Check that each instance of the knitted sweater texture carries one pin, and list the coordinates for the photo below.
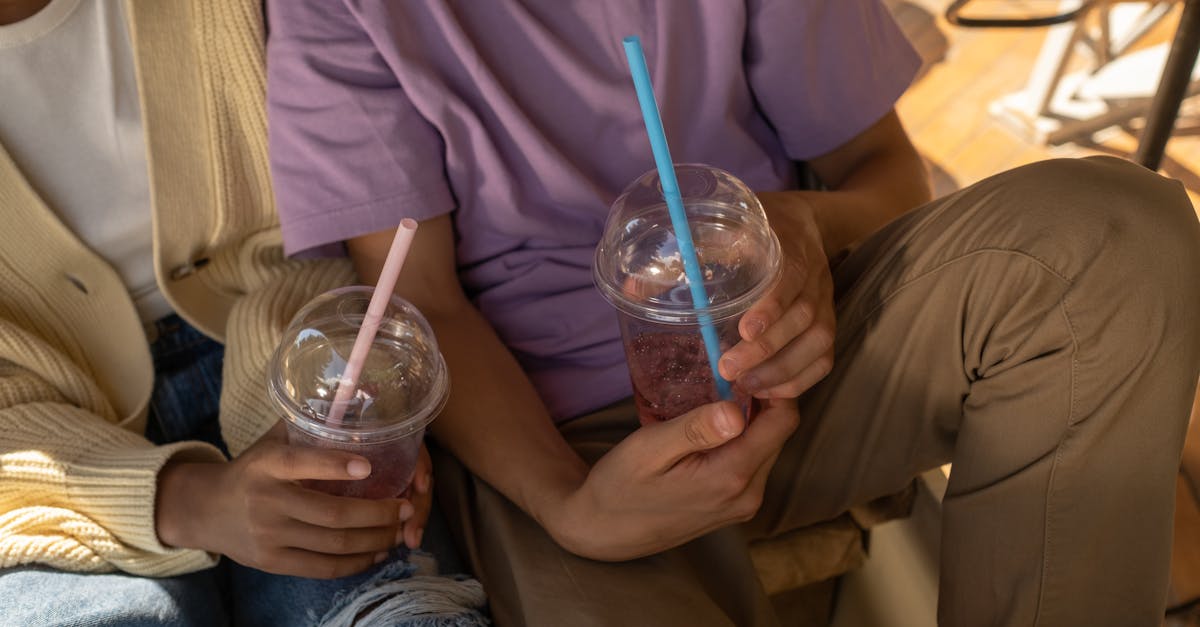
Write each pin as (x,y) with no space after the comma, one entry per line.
(77,479)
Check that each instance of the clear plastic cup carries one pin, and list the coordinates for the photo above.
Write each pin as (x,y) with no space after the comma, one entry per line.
(639,270)
(403,386)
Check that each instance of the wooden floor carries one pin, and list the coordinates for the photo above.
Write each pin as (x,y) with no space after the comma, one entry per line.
(947,114)
(946,109)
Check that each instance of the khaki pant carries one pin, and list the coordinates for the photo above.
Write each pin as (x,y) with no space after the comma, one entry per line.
(1039,330)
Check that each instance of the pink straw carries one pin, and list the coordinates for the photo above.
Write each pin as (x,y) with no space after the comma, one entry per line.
(370,324)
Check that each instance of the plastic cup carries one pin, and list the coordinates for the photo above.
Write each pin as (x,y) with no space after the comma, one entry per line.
(402,387)
(639,271)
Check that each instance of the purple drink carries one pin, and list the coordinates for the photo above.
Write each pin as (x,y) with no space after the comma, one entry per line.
(392,466)
(671,376)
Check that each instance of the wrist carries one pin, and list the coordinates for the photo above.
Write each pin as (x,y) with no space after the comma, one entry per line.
(799,216)
(183,496)
(565,522)
(551,503)
(583,529)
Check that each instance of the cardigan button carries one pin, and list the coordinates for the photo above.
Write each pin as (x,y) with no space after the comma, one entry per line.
(187,269)
(77,282)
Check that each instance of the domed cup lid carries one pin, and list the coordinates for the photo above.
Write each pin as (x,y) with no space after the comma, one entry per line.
(638,267)
(403,385)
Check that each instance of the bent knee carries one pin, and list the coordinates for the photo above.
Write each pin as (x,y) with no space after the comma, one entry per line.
(1072,211)
(1110,195)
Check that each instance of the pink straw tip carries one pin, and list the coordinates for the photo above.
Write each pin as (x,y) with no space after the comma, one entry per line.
(371,320)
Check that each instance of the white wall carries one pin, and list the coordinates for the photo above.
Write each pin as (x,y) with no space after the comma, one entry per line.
(897,587)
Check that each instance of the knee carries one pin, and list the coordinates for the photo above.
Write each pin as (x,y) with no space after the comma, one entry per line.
(1113,198)
(1077,210)
(1148,221)
(1137,229)
(1133,187)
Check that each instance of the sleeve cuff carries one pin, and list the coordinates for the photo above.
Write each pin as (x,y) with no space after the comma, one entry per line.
(117,488)
(884,94)
(317,231)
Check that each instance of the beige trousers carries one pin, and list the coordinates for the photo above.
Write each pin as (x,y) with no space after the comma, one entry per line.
(1040,330)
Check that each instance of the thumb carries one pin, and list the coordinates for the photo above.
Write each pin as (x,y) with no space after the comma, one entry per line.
(293,463)
(703,428)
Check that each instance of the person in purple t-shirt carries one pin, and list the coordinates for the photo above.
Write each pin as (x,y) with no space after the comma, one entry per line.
(1031,329)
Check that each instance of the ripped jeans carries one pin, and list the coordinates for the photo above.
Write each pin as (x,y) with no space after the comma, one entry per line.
(184,406)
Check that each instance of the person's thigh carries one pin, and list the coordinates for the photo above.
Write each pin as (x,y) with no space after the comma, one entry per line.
(261,599)
(532,581)
(36,596)
(1037,330)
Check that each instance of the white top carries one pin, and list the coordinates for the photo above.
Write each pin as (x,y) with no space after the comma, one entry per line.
(70,118)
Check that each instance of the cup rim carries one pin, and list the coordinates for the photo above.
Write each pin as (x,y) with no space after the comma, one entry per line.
(688,315)
(674,314)
(296,415)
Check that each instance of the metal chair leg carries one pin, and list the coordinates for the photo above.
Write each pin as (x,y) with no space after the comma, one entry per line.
(1171,89)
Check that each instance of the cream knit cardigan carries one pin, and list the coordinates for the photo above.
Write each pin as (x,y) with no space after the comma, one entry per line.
(77,479)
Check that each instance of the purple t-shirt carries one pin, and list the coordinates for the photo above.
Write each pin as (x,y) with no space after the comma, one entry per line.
(521,119)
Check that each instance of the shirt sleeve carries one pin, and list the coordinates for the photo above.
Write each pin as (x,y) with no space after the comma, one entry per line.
(823,71)
(349,152)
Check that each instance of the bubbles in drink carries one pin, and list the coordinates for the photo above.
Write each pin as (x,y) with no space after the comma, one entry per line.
(671,375)
(639,269)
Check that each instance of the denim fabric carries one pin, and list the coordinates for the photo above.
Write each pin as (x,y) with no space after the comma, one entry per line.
(262,599)
(35,596)
(266,600)
(184,406)
(397,594)
(187,385)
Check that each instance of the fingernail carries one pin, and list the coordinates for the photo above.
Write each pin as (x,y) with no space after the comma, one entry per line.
(726,423)
(755,328)
(730,367)
(406,511)
(358,468)
(424,487)
(379,557)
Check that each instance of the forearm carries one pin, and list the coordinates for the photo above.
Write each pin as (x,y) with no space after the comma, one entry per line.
(496,423)
(494,420)
(874,179)
(882,189)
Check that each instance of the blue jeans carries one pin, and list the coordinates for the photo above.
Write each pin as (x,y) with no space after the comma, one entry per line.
(184,406)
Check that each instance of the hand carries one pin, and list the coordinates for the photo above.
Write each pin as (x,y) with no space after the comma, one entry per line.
(788,335)
(673,481)
(253,510)
(421,495)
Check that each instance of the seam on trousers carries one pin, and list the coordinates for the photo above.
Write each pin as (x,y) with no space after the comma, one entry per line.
(1071,424)
(941,266)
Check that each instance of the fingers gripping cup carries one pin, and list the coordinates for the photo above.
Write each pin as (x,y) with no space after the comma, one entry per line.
(638,268)
(402,387)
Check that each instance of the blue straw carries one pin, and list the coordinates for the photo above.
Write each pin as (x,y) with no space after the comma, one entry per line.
(683,233)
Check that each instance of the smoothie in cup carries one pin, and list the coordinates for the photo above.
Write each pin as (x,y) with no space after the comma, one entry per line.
(402,387)
(639,270)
